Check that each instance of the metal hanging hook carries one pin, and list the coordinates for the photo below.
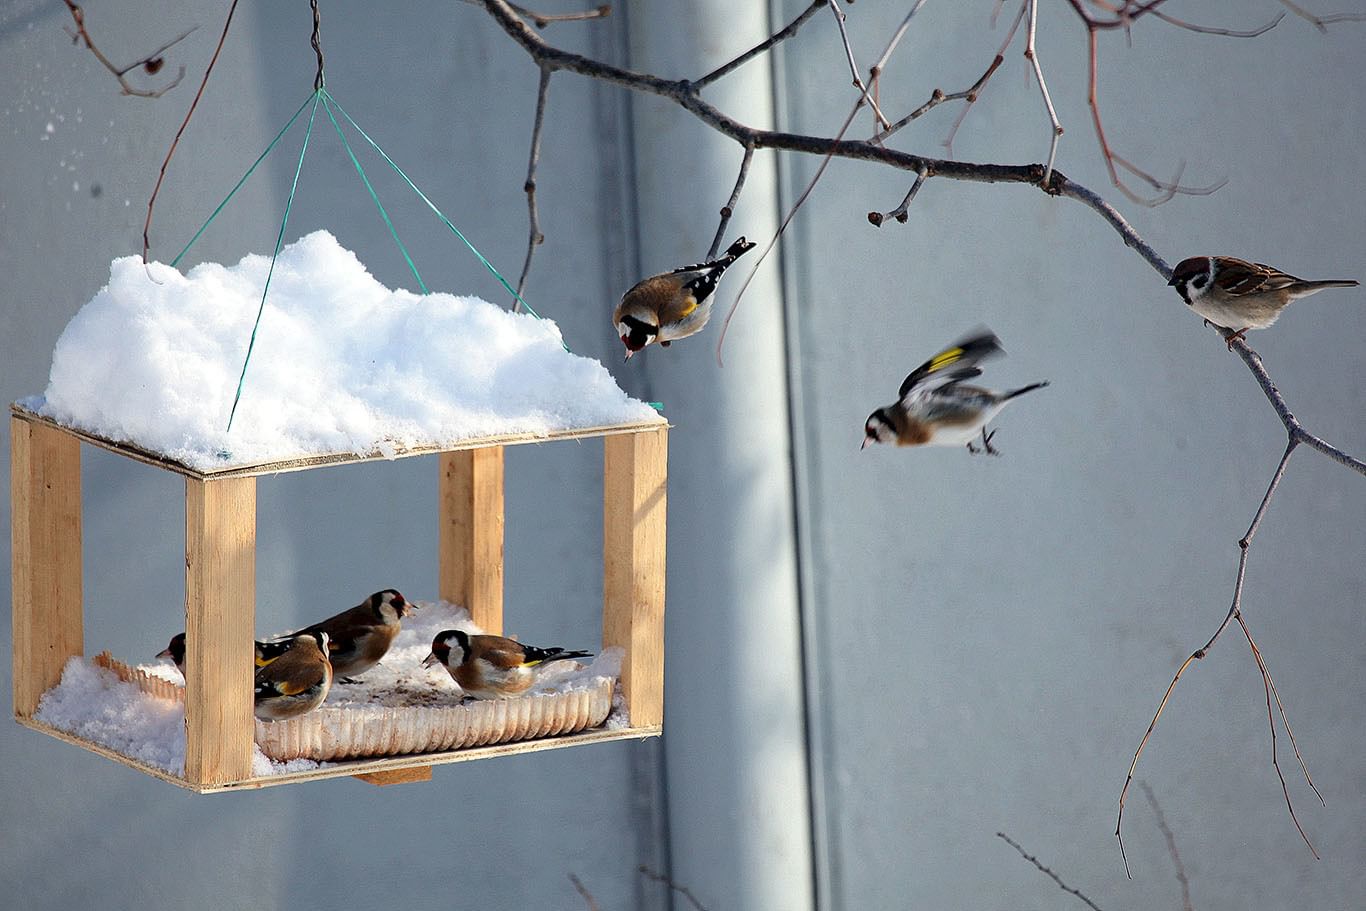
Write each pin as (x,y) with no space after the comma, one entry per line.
(317,46)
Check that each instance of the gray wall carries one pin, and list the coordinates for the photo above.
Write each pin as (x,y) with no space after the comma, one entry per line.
(1029,610)
(1026,611)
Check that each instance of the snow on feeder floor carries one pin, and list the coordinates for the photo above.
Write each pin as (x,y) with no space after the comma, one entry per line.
(344,371)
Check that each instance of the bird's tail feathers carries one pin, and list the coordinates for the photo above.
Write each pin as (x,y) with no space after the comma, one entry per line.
(535,656)
(1023,389)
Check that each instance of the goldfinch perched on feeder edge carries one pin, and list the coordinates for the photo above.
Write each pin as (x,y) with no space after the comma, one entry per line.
(671,305)
(297,681)
(266,652)
(491,667)
(1239,295)
(936,408)
(361,636)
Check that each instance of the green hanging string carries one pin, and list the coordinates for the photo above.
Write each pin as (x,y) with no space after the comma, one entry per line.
(279,242)
(327,106)
(230,195)
(431,205)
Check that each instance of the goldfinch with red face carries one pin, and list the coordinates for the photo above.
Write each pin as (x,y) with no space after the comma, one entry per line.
(296,682)
(492,667)
(266,652)
(1239,295)
(671,305)
(361,636)
(936,408)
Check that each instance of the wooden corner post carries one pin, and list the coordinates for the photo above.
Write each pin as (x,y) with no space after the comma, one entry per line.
(220,609)
(45,527)
(634,504)
(471,534)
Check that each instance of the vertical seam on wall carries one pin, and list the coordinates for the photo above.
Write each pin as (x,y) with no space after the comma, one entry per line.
(648,769)
(811,692)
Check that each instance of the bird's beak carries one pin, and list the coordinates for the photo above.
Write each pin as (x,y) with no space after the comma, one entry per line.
(865,444)
(1171,283)
(430,660)
(164,653)
(629,352)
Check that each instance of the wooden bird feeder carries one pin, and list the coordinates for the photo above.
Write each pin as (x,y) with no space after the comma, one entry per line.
(220,586)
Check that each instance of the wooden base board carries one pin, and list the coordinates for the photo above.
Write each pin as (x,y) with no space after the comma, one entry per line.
(392,768)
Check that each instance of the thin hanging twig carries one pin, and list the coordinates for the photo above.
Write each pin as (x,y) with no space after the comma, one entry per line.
(161,175)
(535,237)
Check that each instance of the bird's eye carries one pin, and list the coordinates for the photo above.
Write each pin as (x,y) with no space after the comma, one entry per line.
(1199,281)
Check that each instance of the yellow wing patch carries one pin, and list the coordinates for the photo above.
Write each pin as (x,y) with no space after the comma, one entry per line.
(290,688)
(944,359)
(689,306)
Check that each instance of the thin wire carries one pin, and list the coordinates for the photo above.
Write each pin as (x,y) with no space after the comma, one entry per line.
(234,190)
(279,242)
(327,106)
(431,205)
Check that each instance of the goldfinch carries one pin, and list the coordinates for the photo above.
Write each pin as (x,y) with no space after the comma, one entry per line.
(671,305)
(936,408)
(492,667)
(1239,295)
(266,652)
(296,682)
(361,636)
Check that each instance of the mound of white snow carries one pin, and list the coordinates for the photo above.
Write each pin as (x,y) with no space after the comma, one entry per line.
(341,364)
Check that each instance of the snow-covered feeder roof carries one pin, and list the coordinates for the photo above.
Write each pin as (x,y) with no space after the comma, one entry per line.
(342,368)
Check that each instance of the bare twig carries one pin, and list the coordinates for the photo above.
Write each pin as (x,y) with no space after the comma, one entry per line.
(1226,32)
(161,175)
(1031,54)
(777,37)
(787,220)
(1270,688)
(583,891)
(1322,22)
(151,64)
(899,213)
(541,20)
(1051,875)
(681,890)
(1166,189)
(544,19)
(535,237)
(729,208)
(1171,846)
(974,92)
(865,96)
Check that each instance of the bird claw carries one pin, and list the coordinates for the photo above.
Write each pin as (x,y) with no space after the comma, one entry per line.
(986,444)
(1239,336)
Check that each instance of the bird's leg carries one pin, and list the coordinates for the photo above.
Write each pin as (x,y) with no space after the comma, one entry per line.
(972,448)
(1240,335)
(986,442)
(347,680)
